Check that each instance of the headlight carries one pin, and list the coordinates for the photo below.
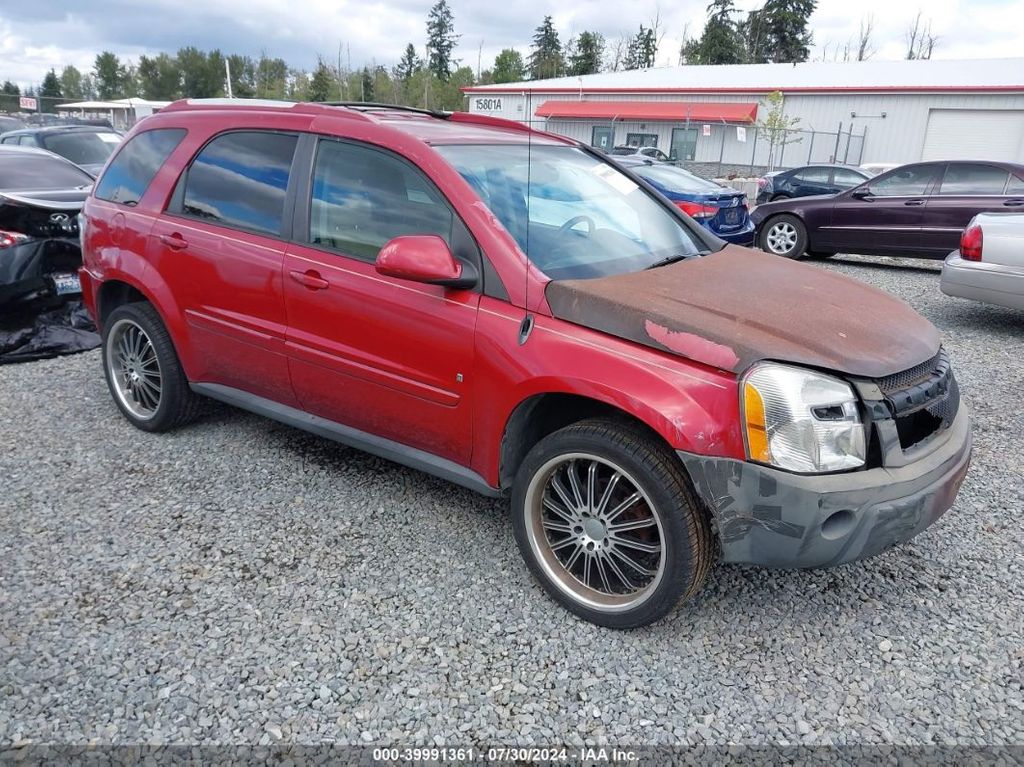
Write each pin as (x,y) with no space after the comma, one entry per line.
(801,420)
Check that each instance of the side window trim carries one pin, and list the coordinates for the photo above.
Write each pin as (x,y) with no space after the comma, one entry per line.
(304,167)
(175,205)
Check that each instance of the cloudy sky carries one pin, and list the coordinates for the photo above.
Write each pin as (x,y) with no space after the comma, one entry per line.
(35,36)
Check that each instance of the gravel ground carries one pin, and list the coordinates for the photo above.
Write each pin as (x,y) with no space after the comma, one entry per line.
(242,582)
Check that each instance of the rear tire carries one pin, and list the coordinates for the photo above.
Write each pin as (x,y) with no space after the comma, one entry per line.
(605,518)
(143,372)
(783,235)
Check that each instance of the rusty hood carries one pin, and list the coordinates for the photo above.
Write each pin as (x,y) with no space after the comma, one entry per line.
(737,306)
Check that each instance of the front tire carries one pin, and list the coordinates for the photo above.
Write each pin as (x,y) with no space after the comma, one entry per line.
(142,369)
(605,518)
(784,235)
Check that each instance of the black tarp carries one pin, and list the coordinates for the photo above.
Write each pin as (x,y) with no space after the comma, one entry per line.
(63,329)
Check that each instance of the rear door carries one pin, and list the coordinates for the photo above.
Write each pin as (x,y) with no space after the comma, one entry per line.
(220,246)
(810,181)
(386,356)
(966,189)
(884,216)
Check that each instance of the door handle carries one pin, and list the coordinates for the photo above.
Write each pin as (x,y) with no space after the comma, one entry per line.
(914,202)
(310,279)
(174,241)
(1013,203)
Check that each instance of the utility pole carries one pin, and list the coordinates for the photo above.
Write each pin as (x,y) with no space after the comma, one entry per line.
(341,88)
(227,71)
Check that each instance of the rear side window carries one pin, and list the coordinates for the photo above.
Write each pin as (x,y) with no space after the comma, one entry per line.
(847,178)
(1015,185)
(812,176)
(240,180)
(363,197)
(132,170)
(973,178)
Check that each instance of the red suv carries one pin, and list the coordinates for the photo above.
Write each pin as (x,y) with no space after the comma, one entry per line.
(506,309)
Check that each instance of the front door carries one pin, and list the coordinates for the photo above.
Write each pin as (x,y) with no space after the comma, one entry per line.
(602,137)
(684,144)
(386,356)
(221,241)
(883,216)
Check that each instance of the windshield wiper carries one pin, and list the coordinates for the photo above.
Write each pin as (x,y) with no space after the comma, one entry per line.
(676,258)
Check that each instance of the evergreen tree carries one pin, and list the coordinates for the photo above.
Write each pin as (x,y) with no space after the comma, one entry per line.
(721,42)
(546,59)
(778,32)
(586,53)
(271,78)
(10,89)
(159,77)
(321,84)
(51,86)
(642,49)
(441,40)
(508,67)
(408,64)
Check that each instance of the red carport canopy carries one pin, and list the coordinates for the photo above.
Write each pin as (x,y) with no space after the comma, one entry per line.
(674,111)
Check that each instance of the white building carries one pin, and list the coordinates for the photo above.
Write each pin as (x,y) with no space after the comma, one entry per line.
(869,111)
(122,113)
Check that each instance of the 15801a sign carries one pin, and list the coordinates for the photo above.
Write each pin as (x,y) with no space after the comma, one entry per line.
(487,105)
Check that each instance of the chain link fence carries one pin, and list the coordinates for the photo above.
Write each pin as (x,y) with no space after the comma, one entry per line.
(18,111)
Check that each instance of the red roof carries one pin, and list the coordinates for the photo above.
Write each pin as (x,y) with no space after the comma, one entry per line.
(674,111)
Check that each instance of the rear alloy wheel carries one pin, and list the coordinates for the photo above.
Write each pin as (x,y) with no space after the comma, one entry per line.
(784,236)
(142,370)
(605,519)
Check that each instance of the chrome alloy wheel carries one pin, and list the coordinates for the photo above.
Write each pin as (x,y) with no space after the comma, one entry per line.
(781,238)
(595,532)
(134,369)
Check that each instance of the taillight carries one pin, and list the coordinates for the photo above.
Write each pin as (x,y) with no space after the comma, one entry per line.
(762,183)
(10,239)
(970,243)
(696,210)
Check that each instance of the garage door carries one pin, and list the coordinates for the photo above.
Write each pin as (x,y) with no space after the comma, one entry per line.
(974,134)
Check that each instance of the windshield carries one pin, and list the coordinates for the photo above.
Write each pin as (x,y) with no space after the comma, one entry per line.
(676,179)
(84,148)
(574,216)
(24,172)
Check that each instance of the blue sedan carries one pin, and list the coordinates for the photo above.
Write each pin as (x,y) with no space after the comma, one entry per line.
(720,209)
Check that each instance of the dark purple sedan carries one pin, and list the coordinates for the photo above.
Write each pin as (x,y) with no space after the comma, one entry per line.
(918,211)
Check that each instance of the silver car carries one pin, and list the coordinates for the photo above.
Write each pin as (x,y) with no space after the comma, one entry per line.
(989,266)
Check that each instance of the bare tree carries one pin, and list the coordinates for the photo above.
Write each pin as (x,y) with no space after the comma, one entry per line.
(617,53)
(685,43)
(920,40)
(865,50)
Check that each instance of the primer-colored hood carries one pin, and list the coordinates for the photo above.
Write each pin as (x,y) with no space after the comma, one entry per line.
(738,306)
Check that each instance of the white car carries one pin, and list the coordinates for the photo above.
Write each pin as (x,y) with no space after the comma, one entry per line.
(989,266)
(650,152)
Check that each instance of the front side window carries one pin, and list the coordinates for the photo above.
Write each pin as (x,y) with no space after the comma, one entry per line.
(363,197)
(129,174)
(240,180)
(909,181)
(572,214)
(973,178)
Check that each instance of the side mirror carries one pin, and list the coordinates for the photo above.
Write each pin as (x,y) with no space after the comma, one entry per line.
(424,258)
(862,192)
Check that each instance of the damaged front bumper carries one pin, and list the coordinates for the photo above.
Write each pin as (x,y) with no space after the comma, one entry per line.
(774,518)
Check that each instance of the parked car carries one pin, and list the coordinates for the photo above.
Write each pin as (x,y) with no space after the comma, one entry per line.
(878,168)
(510,310)
(809,180)
(989,266)
(917,211)
(650,152)
(86,146)
(9,123)
(40,295)
(720,209)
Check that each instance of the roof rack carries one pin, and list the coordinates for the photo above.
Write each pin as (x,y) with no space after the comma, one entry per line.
(361,105)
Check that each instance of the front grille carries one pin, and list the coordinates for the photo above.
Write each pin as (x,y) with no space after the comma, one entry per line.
(923,400)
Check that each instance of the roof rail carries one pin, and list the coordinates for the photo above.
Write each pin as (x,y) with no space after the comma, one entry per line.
(370,105)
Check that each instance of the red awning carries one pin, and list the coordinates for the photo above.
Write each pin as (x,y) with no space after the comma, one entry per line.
(674,111)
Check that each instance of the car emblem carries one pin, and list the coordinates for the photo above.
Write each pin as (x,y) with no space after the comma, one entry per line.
(60,218)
